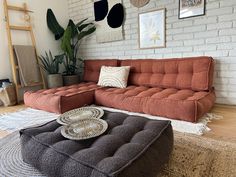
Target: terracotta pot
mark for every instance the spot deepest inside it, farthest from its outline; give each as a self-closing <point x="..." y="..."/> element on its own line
<point x="55" y="80"/>
<point x="70" y="80"/>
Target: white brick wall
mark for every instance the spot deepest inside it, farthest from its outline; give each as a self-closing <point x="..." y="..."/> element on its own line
<point x="212" y="35"/>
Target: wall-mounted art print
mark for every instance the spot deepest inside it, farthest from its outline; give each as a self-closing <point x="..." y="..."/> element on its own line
<point x="109" y="17"/>
<point x="152" y="29"/>
<point x="191" y="8"/>
<point x="139" y="3"/>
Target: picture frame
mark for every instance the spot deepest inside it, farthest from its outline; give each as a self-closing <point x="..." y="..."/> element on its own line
<point x="152" y="26"/>
<point x="191" y="8"/>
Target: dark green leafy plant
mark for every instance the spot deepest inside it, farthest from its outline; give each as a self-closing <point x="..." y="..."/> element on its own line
<point x="53" y="25"/>
<point x="71" y="38"/>
<point x="49" y="63"/>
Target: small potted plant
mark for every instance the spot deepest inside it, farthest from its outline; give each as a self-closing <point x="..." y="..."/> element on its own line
<point x="70" y="41"/>
<point x="50" y="65"/>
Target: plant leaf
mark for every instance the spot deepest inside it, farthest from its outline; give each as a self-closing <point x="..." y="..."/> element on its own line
<point x="74" y="31"/>
<point x="81" y="27"/>
<point x="85" y="33"/>
<point x="53" y="25"/>
<point x="65" y="44"/>
<point x="49" y="63"/>
<point x="81" y="22"/>
<point x="59" y="58"/>
<point x="45" y="62"/>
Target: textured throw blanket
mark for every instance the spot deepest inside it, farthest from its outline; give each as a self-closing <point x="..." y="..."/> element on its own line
<point x="28" y="67"/>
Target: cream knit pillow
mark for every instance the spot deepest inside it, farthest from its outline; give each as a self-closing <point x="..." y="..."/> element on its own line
<point x="114" y="76"/>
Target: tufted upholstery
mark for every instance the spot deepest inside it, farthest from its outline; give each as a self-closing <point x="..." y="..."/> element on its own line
<point x="92" y="68"/>
<point x="181" y="104"/>
<point x="131" y="147"/>
<point x="175" y="88"/>
<point x="60" y="100"/>
<point x="188" y="73"/>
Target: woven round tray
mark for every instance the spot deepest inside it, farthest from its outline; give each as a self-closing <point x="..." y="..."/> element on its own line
<point x="84" y="129"/>
<point x="139" y="3"/>
<point x="80" y="113"/>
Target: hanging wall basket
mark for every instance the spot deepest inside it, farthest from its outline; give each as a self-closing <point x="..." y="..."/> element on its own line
<point x="139" y="3"/>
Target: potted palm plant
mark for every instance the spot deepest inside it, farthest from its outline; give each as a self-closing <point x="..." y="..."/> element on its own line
<point x="50" y="65"/>
<point x="71" y="38"/>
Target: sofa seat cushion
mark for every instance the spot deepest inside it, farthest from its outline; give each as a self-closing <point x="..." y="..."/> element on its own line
<point x="131" y="147"/>
<point x="62" y="99"/>
<point x="131" y="98"/>
<point x="184" y="104"/>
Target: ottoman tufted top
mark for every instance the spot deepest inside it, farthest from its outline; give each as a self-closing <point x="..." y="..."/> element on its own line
<point x="127" y="139"/>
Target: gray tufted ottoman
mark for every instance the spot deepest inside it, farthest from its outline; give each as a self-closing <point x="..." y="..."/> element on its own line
<point x="131" y="147"/>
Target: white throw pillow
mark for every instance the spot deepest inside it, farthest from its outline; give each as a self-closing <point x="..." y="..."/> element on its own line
<point x="114" y="76"/>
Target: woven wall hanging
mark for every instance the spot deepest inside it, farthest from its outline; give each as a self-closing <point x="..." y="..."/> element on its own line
<point x="139" y="3"/>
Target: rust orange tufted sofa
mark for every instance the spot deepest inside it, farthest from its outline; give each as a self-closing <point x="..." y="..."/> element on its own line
<point x="175" y="88"/>
<point x="62" y="99"/>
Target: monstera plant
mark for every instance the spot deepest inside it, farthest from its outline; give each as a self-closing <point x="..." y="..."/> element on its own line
<point x="70" y="39"/>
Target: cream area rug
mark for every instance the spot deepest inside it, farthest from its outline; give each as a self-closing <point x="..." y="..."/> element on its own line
<point x="192" y="156"/>
<point x="14" y="121"/>
<point x="10" y="122"/>
<point x="198" y="128"/>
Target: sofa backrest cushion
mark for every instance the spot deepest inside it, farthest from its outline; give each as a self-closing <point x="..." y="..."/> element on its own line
<point x="92" y="68"/>
<point x="195" y="73"/>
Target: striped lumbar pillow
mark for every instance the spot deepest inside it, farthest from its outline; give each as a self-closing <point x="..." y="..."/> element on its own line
<point x="114" y="76"/>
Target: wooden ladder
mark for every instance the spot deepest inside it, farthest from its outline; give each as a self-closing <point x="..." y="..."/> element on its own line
<point x="28" y="28"/>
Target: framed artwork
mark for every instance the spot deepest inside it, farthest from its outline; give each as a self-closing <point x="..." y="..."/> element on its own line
<point x="191" y="8"/>
<point x="152" y="29"/>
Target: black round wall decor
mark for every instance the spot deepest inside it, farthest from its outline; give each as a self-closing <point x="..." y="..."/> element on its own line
<point x="116" y="16"/>
<point x="100" y="10"/>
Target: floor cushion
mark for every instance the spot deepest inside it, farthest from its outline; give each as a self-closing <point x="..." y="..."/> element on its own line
<point x="187" y="105"/>
<point x="62" y="99"/>
<point x="131" y="147"/>
<point x="131" y="98"/>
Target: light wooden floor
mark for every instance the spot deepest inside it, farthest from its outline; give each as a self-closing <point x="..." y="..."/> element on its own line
<point x="223" y="129"/>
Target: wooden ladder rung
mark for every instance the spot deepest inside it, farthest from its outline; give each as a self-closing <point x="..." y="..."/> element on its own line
<point x="23" y="28"/>
<point x="18" y="8"/>
<point x="31" y="85"/>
